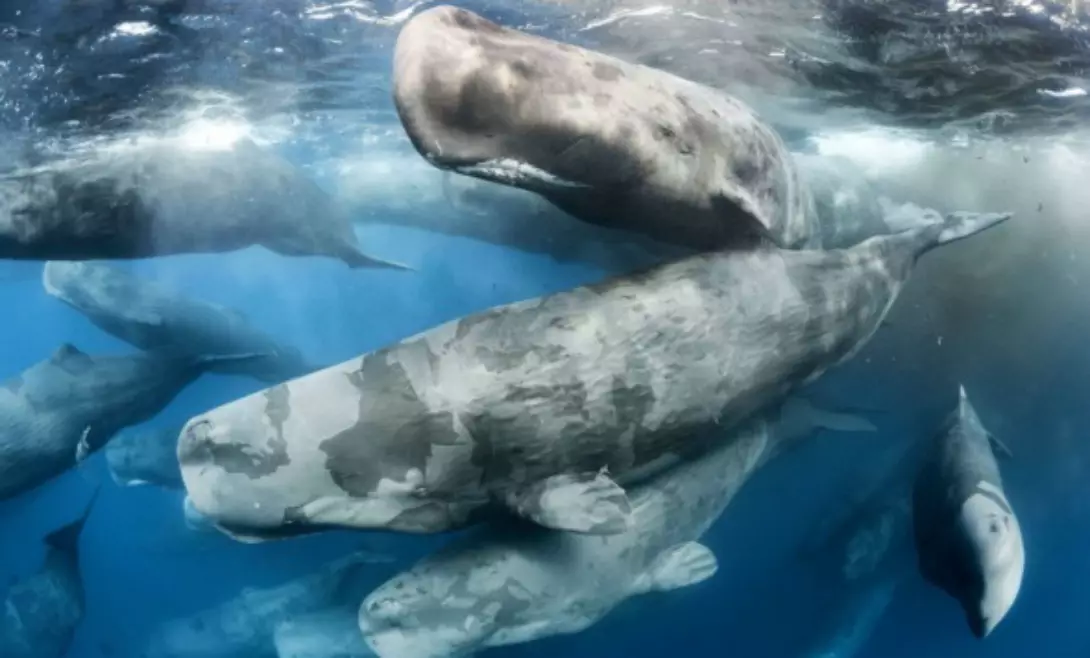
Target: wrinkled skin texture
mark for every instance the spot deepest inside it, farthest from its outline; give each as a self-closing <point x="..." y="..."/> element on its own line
<point x="152" y="317"/>
<point x="616" y="144"/>
<point x="249" y="623"/>
<point x="160" y="199"/>
<point x="625" y="375"/>
<point x="45" y="410"/>
<point x="502" y="585"/>
<point x="968" y="539"/>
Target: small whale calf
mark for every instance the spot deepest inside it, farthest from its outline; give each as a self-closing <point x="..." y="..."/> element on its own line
<point x="160" y="198"/>
<point x="259" y="622"/>
<point x="145" y="457"/>
<point x="151" y="316"/>
<point x="504" y="584"/>
<point x="616" y="144"/>
<point x="62" y="409"/>
<point x="41" y="612"/>
<point x="968" y="540"/>
<point x="545" y="408"/>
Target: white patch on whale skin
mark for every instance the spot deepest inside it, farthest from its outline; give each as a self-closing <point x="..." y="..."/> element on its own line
<point x="517" y="173"/>
<point x="997" y="537"/>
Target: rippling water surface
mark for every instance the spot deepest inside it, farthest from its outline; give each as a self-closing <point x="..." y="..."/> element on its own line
<point x="951" y="105"/>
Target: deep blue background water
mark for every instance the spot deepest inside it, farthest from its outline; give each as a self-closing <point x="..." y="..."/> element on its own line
<point x="142" y="566"/>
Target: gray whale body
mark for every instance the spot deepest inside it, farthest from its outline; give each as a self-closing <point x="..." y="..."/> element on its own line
<point x="151" y="316"/>
<point x="43" y="609"/>
<point x="620" y="145"/>
<point x="159" y="199"/>
<point x="504" y="584"/>
<point x="546" y="408"/>
<point x="73" y="402"/>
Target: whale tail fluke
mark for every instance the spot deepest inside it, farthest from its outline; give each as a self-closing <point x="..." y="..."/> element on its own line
<point x="356" y="259"/>
<point x="66" y="538"/>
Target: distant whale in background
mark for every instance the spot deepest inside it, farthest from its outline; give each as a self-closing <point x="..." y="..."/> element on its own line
<point x="145" y="456"/>
<point x="864" y="555"/>
<point x="330" y="634"/>
<point x="545" y="408"/>
<point x="151" y="316"/>
<point x="848" y="208"/>
<point x="502" y="585"/>
<point x="968" y="539"/>
<point x="159" y="198"/>
<point x="41" y="612"/>
<point x="66" y="407"/>
<point x="621" y="145"/>
<point x="251" y="623"/>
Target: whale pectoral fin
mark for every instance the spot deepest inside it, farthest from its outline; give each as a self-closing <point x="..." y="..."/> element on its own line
<point x="589" y="503"/>
<point x="83" y="448"/>
<point x="999" y="447"/>
<point x="681" y="566"/>
<point x="840" y="421"/>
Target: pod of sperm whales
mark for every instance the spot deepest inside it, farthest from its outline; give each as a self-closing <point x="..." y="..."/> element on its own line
<point x="613" y="143"/>
<point x="968" y="540"/>
<point x="505" y="584"/>
<point x="161" y="197"/>
<point x="249" y="624"/>
<point x="62" y="409"/>
<point x="151" y="316"/>
<point x="42" y="611"/>
<point x="546" y="407"/>
<point x="145" y="457"/>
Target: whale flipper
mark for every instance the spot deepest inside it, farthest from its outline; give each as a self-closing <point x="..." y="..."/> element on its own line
<point x="681" y="566"/>
<point x="356" y="259"/>
<point x="590" y="503"/>
<point x="999" y="447"/>
<point x="955" y="226"/>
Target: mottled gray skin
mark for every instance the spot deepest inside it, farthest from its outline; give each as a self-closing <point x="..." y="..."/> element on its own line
<point x="503" y="585"/>
<point x="40" y="613"/>
<point x="152" y="317"/>
<point x="47" y="409"/>
<point x="511" y="407"/>
<point x="158" y="199"/>
<point x="248" y="624"/>
<point x="968" y="540"/>
<point x="147" y="456"/>
<point x="616" y="144"/>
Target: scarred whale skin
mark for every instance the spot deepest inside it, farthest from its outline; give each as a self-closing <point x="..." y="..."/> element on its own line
<point x="546" y="407"/>
<point x="616" y="144"/>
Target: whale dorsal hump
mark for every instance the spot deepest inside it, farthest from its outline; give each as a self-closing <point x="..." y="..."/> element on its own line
<point x="68" y="352"/>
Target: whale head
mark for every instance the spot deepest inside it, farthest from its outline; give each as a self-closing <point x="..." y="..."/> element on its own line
<point x="996" y="561"/>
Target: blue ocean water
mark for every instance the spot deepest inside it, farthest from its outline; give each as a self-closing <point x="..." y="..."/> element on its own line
<point x="947" y="109"/>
